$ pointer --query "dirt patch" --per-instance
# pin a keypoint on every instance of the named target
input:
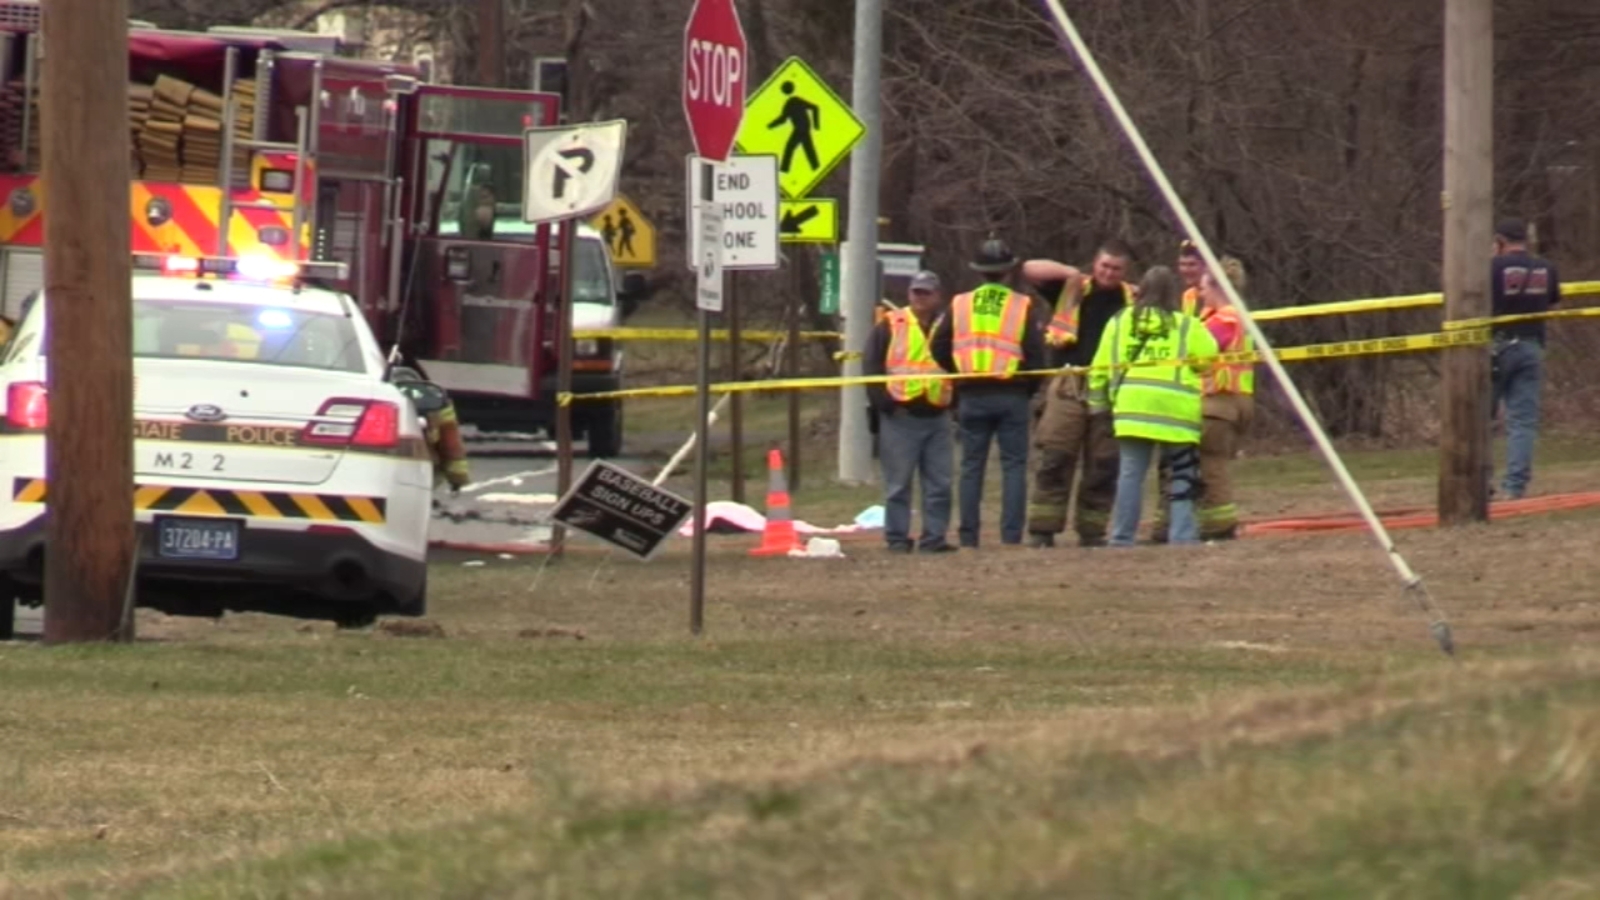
(411, 628)
(538, 633)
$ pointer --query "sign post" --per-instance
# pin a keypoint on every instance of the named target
(569, 173)
(714, 76)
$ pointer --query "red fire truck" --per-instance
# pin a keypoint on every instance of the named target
(263, 142)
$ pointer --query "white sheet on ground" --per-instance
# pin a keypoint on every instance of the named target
(725, 514)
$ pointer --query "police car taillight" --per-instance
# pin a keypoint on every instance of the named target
(27, 405)
(367, 423)
(380, 426)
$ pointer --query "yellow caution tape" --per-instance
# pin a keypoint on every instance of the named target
(1336, 350)
(1344, 307)
(1379, 304)
(1339, 308)
(691, 334)
(1486, 321)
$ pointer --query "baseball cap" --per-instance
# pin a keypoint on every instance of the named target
(1512, 230)
(925, 281)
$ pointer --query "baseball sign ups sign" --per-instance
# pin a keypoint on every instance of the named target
(714, 77)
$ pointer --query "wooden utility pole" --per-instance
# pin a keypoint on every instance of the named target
(89, 375)
(1465, 461)
(491, 43)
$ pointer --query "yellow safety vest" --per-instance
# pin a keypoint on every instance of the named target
(987, 326)
(1064, 324)
(1232, 378)
(909, 354)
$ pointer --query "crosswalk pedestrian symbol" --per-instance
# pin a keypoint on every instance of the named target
(796, 117)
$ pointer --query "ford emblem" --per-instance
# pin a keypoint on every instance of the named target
(205, 412)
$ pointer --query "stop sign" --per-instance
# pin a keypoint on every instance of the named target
(713, 77)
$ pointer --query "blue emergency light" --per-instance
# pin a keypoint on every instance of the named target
(274, 318)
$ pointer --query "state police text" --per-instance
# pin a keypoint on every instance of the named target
(637, 500)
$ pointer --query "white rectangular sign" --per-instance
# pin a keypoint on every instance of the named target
(708, 231)
(747, 190)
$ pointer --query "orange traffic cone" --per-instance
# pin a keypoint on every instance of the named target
(779, 536)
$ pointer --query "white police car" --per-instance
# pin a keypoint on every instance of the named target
(276, 470)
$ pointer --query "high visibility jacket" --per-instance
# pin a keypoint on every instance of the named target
(238, 341)
(910, 354)
(243, 342)
(986, 330)
(1158, 396)
(1232, 378)
(1191, 302)
(1063, 328)
(445, 446)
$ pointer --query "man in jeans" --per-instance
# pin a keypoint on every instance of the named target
(1521, 284)
(913, 418)
(991, 332)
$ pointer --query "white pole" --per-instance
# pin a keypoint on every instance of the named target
(1412, 583)
(860, 267)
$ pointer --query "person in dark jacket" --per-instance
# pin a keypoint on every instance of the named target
(993, 332)
(1520, 284)
(913, 418)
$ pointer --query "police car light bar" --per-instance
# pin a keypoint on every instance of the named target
(250, 268)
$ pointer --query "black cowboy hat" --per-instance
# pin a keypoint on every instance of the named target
(994, 256)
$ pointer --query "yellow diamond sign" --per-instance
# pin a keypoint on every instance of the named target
(796, 117)
(629, 235)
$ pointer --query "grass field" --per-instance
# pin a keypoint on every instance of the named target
(1266, 718)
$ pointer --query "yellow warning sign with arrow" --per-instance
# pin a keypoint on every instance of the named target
(628, 233)
(814, 220)
(796, 117)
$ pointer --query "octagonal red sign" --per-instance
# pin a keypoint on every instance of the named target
(714, 74)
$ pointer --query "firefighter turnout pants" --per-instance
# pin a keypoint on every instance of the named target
(1227, 420)
(1066, 438)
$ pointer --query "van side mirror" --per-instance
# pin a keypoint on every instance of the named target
(635, 290)
(426, 396)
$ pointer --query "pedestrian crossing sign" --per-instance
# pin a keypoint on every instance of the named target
(627, 233)
(796, 117)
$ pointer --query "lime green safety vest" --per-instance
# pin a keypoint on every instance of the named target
(1154, 398)
(987, 326)
(909, 354)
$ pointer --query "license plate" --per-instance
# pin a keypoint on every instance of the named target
(213, 539)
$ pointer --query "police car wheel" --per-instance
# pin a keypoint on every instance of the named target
(8, 614)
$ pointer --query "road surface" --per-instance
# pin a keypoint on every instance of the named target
(512, 494)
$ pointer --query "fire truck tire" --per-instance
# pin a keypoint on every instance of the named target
(604, 432)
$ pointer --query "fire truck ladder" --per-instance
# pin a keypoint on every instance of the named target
(257, 142)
